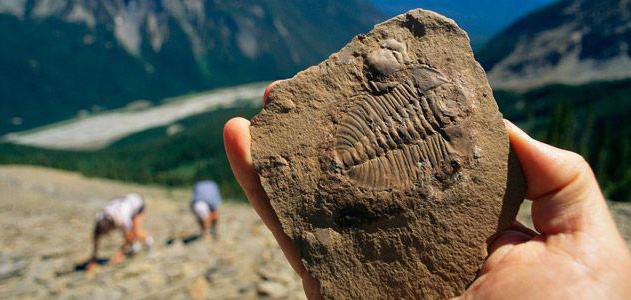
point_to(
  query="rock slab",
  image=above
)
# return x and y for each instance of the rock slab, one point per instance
(388, 164)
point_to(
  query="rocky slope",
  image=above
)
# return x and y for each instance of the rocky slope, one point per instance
(59, 56)
(571, 41)
(46, 218)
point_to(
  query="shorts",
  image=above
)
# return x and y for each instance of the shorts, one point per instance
(201, 209)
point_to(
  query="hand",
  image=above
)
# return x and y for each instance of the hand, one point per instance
(91, 266)
(577, 252)
(117, 258)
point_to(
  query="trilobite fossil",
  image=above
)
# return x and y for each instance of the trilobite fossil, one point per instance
(389, 139)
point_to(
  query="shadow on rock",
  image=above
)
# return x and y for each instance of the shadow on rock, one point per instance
(186, 240)
(81, 267)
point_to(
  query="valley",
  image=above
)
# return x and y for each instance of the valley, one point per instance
(64, 56)
(98, 131)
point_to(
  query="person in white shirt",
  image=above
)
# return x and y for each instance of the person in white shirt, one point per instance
(125, 213)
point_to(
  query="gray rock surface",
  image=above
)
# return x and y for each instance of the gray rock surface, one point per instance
(388, 163)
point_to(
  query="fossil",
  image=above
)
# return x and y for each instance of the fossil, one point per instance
(389, 139)
(388, 164)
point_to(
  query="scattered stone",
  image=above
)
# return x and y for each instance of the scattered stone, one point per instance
(281, 275)
(57, 244)
(271, 289)
(388, 164)
(12, 266)
(198, 289)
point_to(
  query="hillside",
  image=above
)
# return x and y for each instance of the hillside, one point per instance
(59, 57)
(482, 19)
(58, 209)
(572, 42)
(590, 119)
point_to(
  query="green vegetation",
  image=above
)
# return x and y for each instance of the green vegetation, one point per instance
(50, 68)
(152, 156)
(590, 119)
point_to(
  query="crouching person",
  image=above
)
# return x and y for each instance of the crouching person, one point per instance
(125, 213)
(205, 206)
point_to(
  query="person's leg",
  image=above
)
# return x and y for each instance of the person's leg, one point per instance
(201, 211)
(103, 226)
(205, 224)
(214, 220)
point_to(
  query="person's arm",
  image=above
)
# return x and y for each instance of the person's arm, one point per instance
(93, 259)
(119, 256)
(139, 233)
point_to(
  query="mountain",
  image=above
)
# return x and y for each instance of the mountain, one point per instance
(572, 41)
(61, 56)
(482, 19)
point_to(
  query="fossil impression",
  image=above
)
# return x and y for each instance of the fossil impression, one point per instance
(388, 164)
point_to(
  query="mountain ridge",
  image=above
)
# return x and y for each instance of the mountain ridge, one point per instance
(59, 57)
(482, 19)
(571, 42)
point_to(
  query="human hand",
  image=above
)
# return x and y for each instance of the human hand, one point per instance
(91, 266)
(577, 252)
(117, 258)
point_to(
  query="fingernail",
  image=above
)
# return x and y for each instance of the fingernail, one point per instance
(514, 128)
(268, 90)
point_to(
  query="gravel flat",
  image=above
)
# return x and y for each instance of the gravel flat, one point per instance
(100, 130)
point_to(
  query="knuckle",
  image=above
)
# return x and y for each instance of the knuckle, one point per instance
(578, 161)
(580, 167)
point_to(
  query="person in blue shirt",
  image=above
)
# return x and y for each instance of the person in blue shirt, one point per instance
(205, 206)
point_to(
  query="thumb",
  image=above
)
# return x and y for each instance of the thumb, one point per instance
(565, 194)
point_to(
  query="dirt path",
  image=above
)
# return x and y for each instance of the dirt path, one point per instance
(45, 222)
